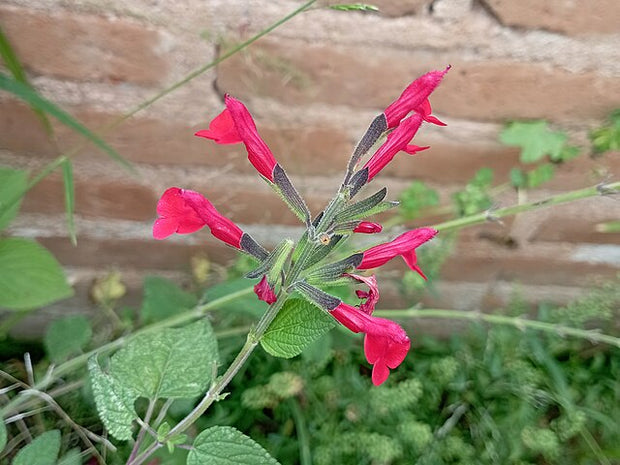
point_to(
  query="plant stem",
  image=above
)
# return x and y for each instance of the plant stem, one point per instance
(214, 392)
(79, 361)
(570, 196)
(518, 322)
(305, 455)
(51, 166)
(140, 439)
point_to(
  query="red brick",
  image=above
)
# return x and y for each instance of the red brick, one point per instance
(582, 229)
(22, 131)
(567, 16)
(84, 47)
(298, 73)
(94, 198)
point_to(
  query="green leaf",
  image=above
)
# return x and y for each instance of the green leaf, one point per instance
(172, 363)
(416, 198)
(11, 183)
(223, 445)
(30, 96)
(114, 401)
(247, 304)
(66, 337)
(3, 435)
(162, 299)
(540, 175)
(353, 7)
(72, 457)
(535, 139)
(607, 138)
(30, 276)
(298, 324)
(15, 67)
(42, 451)
(359, 210)
(67, 178)
(475, 196)
(517, 177)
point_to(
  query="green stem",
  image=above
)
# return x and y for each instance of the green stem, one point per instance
(513, 210)
(79, 361)
(517, 322)
(303, 437)
(50, 167)
(214, 393)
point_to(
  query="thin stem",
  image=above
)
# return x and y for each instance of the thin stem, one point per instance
(140, 439)
(517, 322)
(305, 455)
(570, 196)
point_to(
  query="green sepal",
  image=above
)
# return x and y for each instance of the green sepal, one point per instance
(316, 296)
(284, 187)
(274, 263)
(328, 273)
(323, 250)
(365, 208)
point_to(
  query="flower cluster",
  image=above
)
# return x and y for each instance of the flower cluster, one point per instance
(304, 267)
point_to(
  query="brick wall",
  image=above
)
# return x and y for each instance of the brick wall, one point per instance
(313, 85)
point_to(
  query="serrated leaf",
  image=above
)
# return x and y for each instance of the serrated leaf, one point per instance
(162, 299)
(12, 183)
(535, 139)
(30, 276)
(247, 304)
(72, 457)
(298, 324)
(42, 451)
(32, 98)
(224, 445)
(3, 435)
(171, 363)
(67, 179)
(114, 401)
(67, 336)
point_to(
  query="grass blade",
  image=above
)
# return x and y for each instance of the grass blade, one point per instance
(30, 96)
(17, 70)
(67, 177)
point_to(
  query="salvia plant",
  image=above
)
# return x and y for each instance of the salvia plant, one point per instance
(307, 267)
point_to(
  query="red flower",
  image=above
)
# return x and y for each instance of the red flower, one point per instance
(404, 245)
(366, 227)
(386, 344)
(413, 97)
(396, 141)
(371, 296)
(183, 211)
(264, 291)
(235, 124)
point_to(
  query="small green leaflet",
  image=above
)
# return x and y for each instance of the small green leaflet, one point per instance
(162, 299)
(354, 7)
(42, 451)
(67, 336)
(30, 276)
(114, 401)
(298, 324)
(12, 185)
(172, 363)
(535, 139)
(223, 445)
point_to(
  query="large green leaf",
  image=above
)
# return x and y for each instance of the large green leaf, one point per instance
(30, 96)
(298, 324)
(162, 299)
(67, 336)
(114, 401)
(30, 276)
(535, 139)
(42, 451)
(223, 445)
(172, 363)
(12, 182)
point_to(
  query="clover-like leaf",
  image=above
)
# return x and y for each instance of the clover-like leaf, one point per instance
(535, 139)
(172, 363)
(42, 451)
(224, 445)
(298, 324)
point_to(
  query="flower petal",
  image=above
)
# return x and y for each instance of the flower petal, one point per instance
(264, 291)
(221, 130)
(175, 215)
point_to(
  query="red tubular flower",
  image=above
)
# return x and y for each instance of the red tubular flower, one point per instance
(404, 245)
(183, 211)
(396, 141)
(264, 291)
(371, 296)
(386, 344)
(235, 124)
(413, 97)
(366, 227)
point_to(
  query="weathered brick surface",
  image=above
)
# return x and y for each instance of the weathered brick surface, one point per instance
(85, 47)
(566, 16)
(300, 73)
